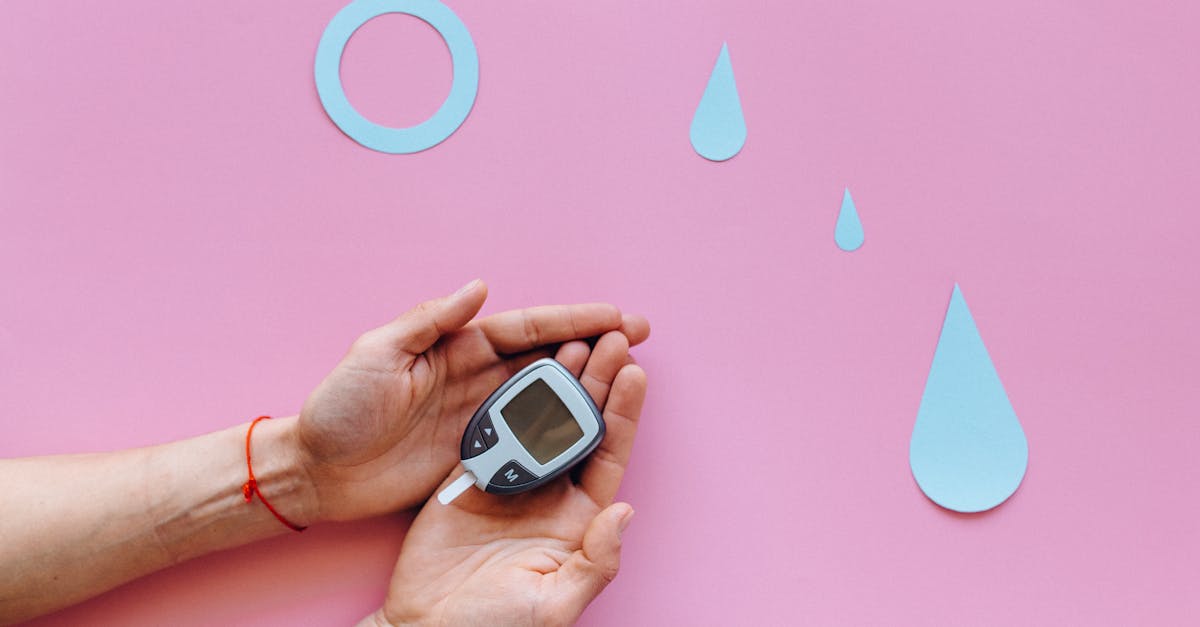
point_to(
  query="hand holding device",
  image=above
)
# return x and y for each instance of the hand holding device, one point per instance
(538, 556)
(383, 428)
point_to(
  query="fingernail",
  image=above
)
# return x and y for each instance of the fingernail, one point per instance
(466, 288)
(625, 521)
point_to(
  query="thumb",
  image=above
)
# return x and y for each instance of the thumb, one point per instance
(591, 568)
(420, 327)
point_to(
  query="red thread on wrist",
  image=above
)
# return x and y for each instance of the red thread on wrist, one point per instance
(250, 488)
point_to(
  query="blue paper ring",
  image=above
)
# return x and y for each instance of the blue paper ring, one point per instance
(440, 125)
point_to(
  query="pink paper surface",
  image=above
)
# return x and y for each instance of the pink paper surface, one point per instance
(186, 241)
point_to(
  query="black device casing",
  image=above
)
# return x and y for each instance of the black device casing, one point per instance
(482, 412)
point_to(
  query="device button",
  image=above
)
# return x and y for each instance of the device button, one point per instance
(511, 474)
(475, 445)
(488, 432)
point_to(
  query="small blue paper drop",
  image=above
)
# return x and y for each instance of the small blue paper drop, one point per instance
(849, 230)
(968, 451)
(718, 127)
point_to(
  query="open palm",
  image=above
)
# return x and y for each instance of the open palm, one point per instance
(536, 558)
(382, 429)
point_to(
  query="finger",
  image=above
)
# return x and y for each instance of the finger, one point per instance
(591, 568)
(636, 328)
(525, 329)
(603, 471)
(420, 327)
(606, 360)
(510, 365)
(573, 356)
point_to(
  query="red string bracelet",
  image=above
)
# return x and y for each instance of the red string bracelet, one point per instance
(250, 488)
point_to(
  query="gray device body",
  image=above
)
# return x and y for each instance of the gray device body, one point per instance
(503, 462)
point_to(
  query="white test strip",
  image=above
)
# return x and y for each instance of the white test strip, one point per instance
(455, 490)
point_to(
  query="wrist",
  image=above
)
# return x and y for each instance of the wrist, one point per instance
(195, 503)
(281, 470)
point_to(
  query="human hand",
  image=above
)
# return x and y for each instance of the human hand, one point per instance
(536, 558)
(383, 428)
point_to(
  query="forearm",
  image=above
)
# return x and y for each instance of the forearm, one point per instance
(74, 526)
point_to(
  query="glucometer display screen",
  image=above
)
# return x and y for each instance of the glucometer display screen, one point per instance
(542, 423)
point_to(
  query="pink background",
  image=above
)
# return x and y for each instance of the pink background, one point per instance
(187, 241)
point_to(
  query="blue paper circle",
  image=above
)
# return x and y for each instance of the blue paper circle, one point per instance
(427, 134)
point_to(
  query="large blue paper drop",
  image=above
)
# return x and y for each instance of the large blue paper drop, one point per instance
(718, 128)
(968, 451)
(849, 230)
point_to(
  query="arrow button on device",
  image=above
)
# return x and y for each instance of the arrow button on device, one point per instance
(488, 432)
(475, 445)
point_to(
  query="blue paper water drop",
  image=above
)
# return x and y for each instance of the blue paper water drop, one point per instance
(849, 231)
(718, 128)
(968, 451)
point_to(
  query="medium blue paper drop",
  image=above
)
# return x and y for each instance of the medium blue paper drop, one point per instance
(849, 230)
(718, 128)
(968, 451)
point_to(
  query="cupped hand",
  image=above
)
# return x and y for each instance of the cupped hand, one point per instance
(383, 428)
(536, 558)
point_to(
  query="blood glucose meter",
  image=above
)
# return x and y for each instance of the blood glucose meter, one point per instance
(533, 428)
